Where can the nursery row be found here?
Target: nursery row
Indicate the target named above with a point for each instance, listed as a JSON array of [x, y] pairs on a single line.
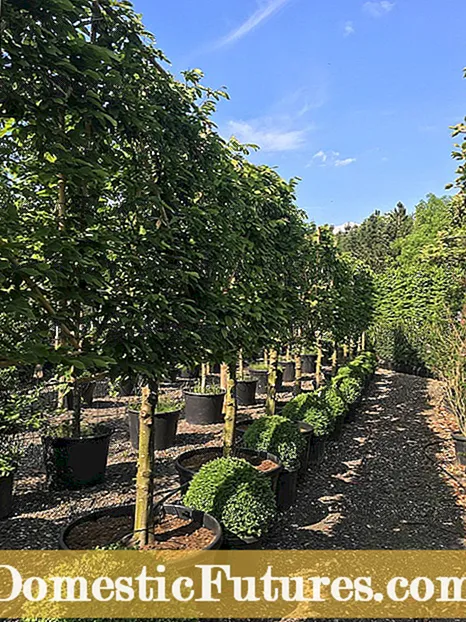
[[236, 498]]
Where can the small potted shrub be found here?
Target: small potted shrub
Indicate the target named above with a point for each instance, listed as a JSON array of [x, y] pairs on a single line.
[[166, 417], [232, 491], [350, 388], [204, 404], [337, 408], [319, 418], [280, 437]]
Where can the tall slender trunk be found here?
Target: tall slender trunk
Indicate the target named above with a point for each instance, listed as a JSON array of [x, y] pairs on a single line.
[[346, 352], [319, 362], [266, 357], [145, 474], [224, 381], [298, 373], [363, 341], [288, 354], [271, 401], [240, 365], [335, 358], [203, 377], [230, 412], [76, 427]]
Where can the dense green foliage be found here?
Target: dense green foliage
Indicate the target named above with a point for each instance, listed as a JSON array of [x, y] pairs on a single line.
[[236, 494], [279, 436]]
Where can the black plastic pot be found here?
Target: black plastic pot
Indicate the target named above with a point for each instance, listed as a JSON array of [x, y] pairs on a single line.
[[6, 495], [186, 474], [165, 426], [73, 463], [87, 396], [289, 373], [203, 408], [316, 449], [337, 431], [246, 392], [261, 376], [306, 431], [308, 363], [287, 490], [206, 520], [127, 387], [460, 448]]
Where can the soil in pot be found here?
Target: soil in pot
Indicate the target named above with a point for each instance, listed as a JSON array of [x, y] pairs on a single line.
[[246, 392], [73, 463], [189, 463], [165, 427], [180, 528], [203, 408], [287, 490], [308, 363], [288, 371], [460, 448], [6, 495]]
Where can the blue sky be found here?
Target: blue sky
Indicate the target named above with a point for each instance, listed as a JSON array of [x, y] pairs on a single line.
[[355, 97]]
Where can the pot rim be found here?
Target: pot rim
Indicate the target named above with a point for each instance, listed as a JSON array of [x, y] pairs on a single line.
[[218, 534], [247, 381], [221, 393], [458, 436], [104, 434], [201, 450], [178, 411]]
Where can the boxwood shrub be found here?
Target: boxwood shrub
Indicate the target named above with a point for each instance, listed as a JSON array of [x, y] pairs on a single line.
[[349, 387], [334, 401], [319, 417], [279, 436], [236, 494], [296, 408]]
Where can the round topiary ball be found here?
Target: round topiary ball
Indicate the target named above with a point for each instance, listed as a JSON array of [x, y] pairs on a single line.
[[296, 408], [279, 436], [236, 494]]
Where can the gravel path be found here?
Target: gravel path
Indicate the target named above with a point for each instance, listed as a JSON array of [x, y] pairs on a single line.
[[382, 486], [386, 484]]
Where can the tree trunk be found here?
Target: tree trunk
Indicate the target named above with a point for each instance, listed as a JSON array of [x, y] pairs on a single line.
[[224, 381], [346, 352], [288, 354], [76, 428], [271, 402], [145, 474], [319, 363], [297, 389], [266, 357], [230, 412], [203, 376], [363, 342], [240, 365], [335, 358]]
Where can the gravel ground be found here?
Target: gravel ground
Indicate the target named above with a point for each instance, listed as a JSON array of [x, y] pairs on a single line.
[[390, 482]]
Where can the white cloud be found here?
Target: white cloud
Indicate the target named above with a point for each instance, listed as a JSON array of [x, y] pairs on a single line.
[[268, 134], [349, 29], [378, 9], [330, 158], [345, 162], [265, 11]]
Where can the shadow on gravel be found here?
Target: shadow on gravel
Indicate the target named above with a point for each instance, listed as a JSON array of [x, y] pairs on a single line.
[[376, 487]]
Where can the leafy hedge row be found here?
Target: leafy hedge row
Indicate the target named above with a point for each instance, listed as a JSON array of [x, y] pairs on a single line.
[[321, 408]]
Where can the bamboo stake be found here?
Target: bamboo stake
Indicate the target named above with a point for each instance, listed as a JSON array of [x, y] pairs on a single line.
[[271, 401], [230, 412], [145, 472]]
